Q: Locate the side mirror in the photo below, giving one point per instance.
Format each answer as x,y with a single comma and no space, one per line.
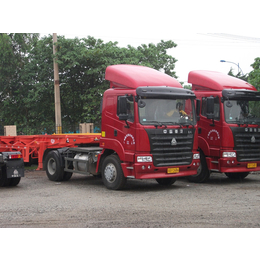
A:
141,103
210,107
122,108
229,104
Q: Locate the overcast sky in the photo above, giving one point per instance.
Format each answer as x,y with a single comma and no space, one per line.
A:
203,30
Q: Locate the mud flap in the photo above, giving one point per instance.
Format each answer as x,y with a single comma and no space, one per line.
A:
14,168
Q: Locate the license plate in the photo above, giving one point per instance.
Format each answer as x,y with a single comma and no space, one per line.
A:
251,165
173,170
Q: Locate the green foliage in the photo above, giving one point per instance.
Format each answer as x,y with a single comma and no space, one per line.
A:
254,75
27,86
14,50
254,79
187,86
82,65
238,75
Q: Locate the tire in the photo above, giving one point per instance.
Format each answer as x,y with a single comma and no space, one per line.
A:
14,181
3,178
166,181
54,170
112,173
203,172
67,176
237,175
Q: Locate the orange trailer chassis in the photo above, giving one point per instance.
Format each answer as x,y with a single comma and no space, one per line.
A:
34,146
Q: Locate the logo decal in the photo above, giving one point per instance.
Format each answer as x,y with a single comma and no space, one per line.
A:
253,139
173,142
213,135
129,140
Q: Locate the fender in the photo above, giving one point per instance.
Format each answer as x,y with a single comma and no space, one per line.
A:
203,146
114,146
117,147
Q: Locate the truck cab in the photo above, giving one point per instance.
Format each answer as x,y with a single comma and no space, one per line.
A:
229,125
149,124
148,131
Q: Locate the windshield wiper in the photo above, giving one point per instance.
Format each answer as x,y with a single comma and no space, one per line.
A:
173,123
156,123
252,123
241,123
187,124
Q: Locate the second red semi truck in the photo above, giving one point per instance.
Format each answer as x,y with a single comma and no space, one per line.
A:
148,131
229,125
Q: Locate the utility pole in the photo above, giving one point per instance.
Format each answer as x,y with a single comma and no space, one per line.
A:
58,125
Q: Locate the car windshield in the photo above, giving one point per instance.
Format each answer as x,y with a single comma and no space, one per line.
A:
242,112
167,112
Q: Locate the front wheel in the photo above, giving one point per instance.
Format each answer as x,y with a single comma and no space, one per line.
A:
112,173
166,181
203,172
236,175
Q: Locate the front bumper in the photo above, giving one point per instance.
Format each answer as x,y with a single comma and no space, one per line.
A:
148,171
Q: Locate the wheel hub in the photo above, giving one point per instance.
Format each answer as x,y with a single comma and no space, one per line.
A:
110,172
52,166
199,169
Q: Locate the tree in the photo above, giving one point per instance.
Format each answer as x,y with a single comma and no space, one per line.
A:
238,75
82,64
28,90
254,75
14,49
39,101
156,56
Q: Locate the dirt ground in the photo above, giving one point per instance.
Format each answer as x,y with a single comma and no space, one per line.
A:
84,202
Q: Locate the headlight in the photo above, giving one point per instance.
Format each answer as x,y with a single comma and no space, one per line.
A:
144,159
196,156
229,154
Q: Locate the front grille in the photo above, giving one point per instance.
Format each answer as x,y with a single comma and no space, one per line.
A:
247,143
171,147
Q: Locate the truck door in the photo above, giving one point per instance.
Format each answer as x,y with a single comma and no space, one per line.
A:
211,128
126,124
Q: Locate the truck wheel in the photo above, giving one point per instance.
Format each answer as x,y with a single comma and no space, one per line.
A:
67,176
203,172
166,181
3,178
14,181
54,170
237,175
112,173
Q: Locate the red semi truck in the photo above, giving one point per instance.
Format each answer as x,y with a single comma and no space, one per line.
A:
229,125
148,131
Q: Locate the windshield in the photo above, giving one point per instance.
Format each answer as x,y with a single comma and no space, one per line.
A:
242,112
166,112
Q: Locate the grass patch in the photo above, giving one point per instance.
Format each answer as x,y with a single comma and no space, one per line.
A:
31,167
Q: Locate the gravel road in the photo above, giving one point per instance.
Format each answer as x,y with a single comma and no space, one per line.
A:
85,202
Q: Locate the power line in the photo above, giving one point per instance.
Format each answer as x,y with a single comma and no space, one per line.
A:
233,37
